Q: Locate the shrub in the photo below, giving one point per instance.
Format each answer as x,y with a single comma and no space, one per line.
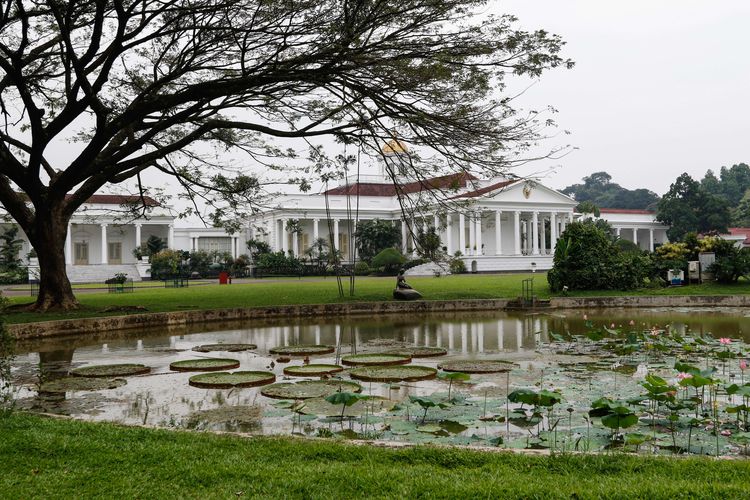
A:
388,260
166,264
279,263
457,266
375,235
731,261
414,263
361,268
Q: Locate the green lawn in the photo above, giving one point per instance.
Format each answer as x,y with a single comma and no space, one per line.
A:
319,290
45,458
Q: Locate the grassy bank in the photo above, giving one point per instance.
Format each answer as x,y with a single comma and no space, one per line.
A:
319,290
44,458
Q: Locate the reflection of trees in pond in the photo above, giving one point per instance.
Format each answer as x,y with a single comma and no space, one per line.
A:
53,365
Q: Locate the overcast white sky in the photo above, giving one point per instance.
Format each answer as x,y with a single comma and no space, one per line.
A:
660,87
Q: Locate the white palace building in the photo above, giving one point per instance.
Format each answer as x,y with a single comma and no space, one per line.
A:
502,225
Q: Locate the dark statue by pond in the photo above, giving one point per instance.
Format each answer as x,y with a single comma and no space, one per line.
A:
403,290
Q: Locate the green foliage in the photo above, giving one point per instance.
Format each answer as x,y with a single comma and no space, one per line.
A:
374,236
319,252
279,263
586,258
345,399
614,414
388,260
688,207
429,245
154,245
361,268
598,190
257,248
457,266
731,262
166,264
11,266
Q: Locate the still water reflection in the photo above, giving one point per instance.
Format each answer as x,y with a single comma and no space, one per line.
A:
165,398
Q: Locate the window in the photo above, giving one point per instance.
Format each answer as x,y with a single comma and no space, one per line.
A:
219,244
114,252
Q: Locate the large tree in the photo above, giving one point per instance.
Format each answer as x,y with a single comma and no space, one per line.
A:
599,189
143,84
687,207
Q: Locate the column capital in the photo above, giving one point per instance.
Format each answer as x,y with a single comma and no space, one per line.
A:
103,224
138,224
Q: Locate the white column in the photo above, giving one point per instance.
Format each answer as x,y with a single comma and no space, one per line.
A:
404,235
498,233
414,231
69,245
527,242
436,223
234,246
553,232
635,236
104,243
478,233
335,242
316,232
295,244
651,239
535,233
449,233
461,233
137,235
284,237
543,236
170,237
617,230
472,236
516,233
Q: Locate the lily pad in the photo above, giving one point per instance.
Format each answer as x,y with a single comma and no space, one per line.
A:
307,389
121,370
419,352
478,366
393,373
204,365
69,384
376,359
225,347
303,350
313,370
319,406
226,380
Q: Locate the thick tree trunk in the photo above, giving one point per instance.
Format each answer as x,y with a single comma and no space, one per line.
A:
48,238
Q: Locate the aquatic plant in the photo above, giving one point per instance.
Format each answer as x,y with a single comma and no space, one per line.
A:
345,399
454,377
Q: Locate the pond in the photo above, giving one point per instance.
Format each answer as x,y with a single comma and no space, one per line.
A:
645,381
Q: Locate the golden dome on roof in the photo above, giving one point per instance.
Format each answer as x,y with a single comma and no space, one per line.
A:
394,146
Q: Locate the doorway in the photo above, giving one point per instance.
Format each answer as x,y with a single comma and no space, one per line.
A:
81,253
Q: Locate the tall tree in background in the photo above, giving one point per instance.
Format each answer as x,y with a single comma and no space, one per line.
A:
687,207
375,235
733,185
140,84
599,189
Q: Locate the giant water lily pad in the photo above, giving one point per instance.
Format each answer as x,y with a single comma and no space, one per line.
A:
478,366
303,350
226,380
204,365
369,406
419,352
410,373
225,347
121,370
313,370
69,384
309,389
376,359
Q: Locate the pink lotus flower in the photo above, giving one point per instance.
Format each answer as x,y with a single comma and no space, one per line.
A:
683,376
725,341
585,317
743,365
612,325
726,432
632,323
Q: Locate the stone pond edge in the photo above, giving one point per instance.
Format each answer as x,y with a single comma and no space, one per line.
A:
177,318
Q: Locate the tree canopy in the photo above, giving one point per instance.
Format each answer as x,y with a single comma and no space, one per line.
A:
687,207
172,85
732,185
599,189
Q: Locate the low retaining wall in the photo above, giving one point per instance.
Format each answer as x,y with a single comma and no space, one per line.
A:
177,318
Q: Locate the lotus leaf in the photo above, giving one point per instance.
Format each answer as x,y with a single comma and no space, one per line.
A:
309,389
303,350
204,365
226,380
225,347
393,373
313,370
121,370
478,366
376,359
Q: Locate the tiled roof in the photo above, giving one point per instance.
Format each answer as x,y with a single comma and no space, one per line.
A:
626,211
451,181
118,199
487,189
741,231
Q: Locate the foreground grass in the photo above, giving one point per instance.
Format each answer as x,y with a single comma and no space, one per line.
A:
323,291
45,458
